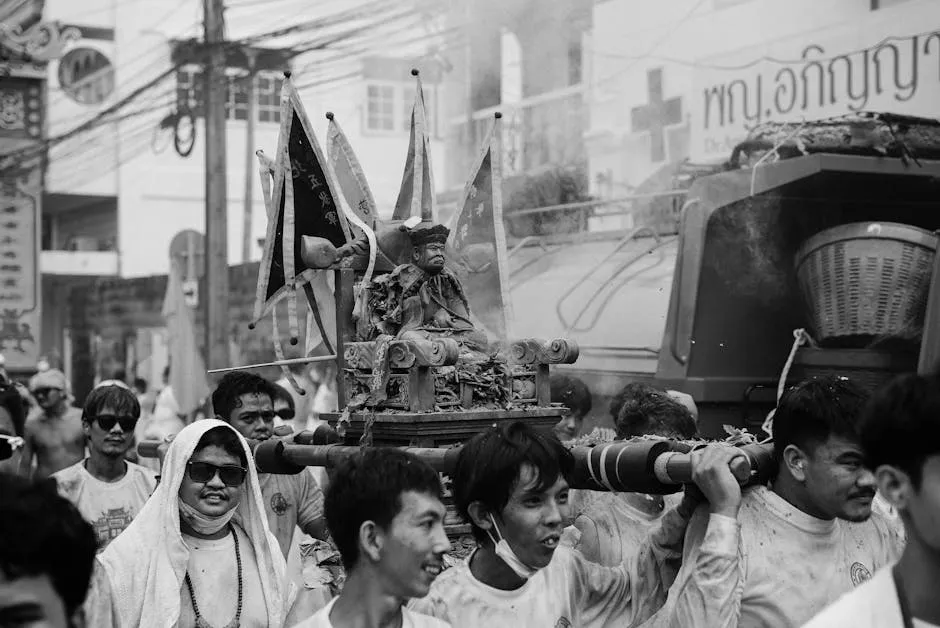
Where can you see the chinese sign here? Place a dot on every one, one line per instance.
(879, 65)
(19, 268)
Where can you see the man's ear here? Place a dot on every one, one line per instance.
(371, 541)
(480, 516)
(86, 428)
(795, 460)
(894, 485)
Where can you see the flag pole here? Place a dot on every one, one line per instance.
(288, 362)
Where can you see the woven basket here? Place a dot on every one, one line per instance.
(866, 279)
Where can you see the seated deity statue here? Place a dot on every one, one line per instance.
(423, 299)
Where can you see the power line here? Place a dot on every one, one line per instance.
(657, 44)
(105, 116)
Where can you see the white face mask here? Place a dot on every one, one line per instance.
(508, 556)
(201, 523)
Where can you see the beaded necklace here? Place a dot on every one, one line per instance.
(236, 621)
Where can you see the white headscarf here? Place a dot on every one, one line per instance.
(145, 565)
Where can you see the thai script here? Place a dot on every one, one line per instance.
(892, 68)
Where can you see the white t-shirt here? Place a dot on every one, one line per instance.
(871, 605)
(610, 526)
(108, 506)
(290, 501)
(791, 565)
(213, 571)
(572, 591)
(410, 619)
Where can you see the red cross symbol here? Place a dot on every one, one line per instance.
(654, 116)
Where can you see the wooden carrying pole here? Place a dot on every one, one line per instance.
(641, 466)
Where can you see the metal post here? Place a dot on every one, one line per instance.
(217, 297)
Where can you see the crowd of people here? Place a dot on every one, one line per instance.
(847, 533)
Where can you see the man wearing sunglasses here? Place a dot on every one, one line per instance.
(245, 401)
(54, 432)
(107, 489)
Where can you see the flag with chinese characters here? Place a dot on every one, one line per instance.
(304, 201)
(349, 174)
(416, 196)
(476, 247)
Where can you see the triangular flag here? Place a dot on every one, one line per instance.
(187, 369)
(305, 201)
(476, 248)
(349, 174)
(416, 197)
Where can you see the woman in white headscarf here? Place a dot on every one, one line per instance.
(199, 554)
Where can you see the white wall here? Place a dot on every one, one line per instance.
(633, 36)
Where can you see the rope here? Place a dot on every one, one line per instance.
(773, 153)
(800, 337)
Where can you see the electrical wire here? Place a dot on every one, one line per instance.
(108, 115)
(672, 31)
(767, 58)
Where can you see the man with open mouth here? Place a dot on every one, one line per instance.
(510, 483)
(386, 516)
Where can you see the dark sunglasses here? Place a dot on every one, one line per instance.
(230, 474)
(42, 392)
(286, 414)
(107, 421)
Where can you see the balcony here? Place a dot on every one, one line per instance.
(79, 235)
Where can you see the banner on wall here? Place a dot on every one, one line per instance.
(889, 62)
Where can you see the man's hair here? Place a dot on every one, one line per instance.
(227, 439)
(571, 392)
(368, 487)
(225, 397)
(12, 401)
(279, 393)
(816, 409)
(490, 464)
(901, 424)
(120, 400)
(632, 389)
(43, 534)
(648, 410)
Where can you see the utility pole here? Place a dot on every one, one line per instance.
(216, 297)
(251, 161)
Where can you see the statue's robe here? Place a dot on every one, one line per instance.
(422, 305)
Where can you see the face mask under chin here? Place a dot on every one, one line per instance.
(504, 551)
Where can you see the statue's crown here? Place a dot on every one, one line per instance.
(426, 233)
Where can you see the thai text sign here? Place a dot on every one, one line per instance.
(881, 65)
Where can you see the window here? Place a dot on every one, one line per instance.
(236, 106)
(268, 91)
(380, 103)
(190, 90)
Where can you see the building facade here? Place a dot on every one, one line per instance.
(125, 172)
